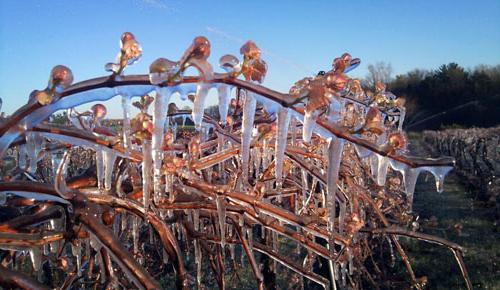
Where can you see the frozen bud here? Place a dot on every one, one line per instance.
(147, 125)
(355, 86)
(172, 108)
(397, 140)
(230, 63)
(194, 145)
(255, 70)
(131, 51)
(400, 102)
(99, 111)
(108, 217)
(61, 77)
(346, 58)
(43, 97)
(379, 87)
(266, 131)
(336, 82)
(191, 97)
(300, 88)
(318, 96)
(201, 48)
(168, 139)
(250, 50)
(127, 36)
(163, 70)
(339, 65)
(63, 263)
(373, 121)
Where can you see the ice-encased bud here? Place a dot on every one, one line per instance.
(250, 50)
(336, 81)
(300, 88)
(61, 77)
(200, 48)
(163, 70)
(339, 65)
(99, 111)
(42, 97)
(255, 70)
(379, 87)
(172, 108)
(130, 48)
(397, 140)
(374, 121)
(230, 64)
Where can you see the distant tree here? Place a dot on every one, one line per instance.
(59, 118)
(451, 95)
(378, 72)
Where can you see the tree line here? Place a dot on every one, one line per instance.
(449, 96)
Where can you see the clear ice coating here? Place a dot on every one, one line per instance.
(234, 174)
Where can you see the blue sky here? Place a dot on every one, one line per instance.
(298, 38)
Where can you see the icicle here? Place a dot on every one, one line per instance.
(383, 164)
(350, 261)
(135, 234)
(31, 150)
(198, 259)
(281, 141)
(374, 166)
(221, 211)
(22, 156)
(250, 237)
(164, 256)
(76, 250)
(109, 162)
(146, 173)
(293, 127)
(362, 151)
(343, 271)
(199, 104)
(402, 115)
(160, 109)
(36, 258)
(249, 107)
(335, 108)
(224, 99)
(309, 125)
(232, 253)
(410, 176)
(56, 225)
(55, 160)
(274, 237)
(126, 105)
(196, 219)
(335, 148)
(99, 161)
(439, 173)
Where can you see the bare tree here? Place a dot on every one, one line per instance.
(380, 71)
